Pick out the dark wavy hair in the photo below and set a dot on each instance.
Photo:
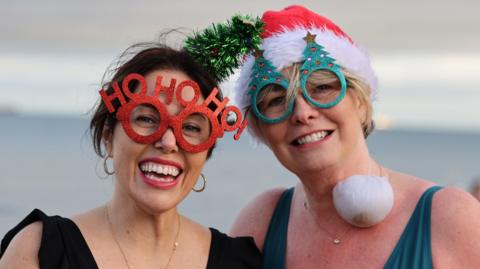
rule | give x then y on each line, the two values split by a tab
147	57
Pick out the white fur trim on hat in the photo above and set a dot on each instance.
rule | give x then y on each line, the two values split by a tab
286	48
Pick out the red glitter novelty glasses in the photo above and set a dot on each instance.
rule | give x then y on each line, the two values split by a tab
145	117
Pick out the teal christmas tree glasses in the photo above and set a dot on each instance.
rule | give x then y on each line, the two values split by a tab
322	83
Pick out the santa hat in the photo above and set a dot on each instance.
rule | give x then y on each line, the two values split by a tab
283	45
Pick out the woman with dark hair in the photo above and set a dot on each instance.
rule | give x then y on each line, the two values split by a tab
158	121
308	93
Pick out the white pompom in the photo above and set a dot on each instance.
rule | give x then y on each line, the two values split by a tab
363	200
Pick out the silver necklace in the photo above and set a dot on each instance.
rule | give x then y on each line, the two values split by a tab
174	247
336	240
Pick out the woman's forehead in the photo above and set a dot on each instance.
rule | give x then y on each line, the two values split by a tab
289	70
167	75
170	78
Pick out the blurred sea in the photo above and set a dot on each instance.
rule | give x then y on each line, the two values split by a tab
48	163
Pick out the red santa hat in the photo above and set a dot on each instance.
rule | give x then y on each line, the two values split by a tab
283	45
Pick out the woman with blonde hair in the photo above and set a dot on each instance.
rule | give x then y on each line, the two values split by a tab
308	93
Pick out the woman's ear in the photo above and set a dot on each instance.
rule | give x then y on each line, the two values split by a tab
107	139
361	108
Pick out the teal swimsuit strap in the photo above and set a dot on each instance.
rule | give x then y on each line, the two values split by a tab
275	245
413	250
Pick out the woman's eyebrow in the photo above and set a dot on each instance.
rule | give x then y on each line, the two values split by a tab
200	116
277	88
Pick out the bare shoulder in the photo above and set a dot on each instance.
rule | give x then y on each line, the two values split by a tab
455	207
455	228
254	218
90	221
200	233
22	252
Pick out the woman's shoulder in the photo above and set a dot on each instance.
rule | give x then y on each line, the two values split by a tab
254	218
22	250
20	246
452	206
455	220
455	209
49	241
233	252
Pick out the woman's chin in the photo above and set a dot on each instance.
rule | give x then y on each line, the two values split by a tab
314	164
156	204
156	197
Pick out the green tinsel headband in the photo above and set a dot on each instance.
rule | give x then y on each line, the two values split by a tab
219	48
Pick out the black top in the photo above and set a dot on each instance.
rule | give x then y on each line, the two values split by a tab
63	246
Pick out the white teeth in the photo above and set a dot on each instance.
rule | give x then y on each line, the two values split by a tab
312	137
160	179
159	169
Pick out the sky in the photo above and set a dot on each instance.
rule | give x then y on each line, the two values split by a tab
426	53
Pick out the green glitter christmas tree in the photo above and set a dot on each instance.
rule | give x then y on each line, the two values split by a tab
315	56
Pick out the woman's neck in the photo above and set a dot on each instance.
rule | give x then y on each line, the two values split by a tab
138	225
317	187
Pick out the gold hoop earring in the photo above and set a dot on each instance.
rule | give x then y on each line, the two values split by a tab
204	184
105	168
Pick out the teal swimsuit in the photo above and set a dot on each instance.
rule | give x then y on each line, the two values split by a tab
413	250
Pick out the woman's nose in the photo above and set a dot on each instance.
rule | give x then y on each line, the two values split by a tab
303	111
167	143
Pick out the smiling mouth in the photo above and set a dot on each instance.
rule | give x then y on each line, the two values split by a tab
160	172
311	138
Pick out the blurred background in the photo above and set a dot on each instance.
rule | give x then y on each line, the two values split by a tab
53	55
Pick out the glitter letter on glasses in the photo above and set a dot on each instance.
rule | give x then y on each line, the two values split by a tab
268	88
145	118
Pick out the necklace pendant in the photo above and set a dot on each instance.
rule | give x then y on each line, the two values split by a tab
336	241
